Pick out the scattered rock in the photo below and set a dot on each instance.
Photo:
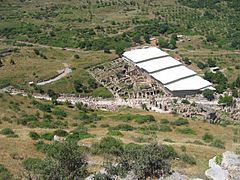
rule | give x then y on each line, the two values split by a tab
229	169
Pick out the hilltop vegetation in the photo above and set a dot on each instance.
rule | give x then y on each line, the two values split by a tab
111	27
103	25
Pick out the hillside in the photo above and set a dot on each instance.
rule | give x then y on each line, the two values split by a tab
72	107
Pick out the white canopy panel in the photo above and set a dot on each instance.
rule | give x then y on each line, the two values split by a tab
143	54
172	74
192	83
159	64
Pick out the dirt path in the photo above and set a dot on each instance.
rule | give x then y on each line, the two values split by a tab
61	75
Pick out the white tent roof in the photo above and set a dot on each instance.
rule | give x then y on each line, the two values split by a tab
139	55
173	74
192	83
158	64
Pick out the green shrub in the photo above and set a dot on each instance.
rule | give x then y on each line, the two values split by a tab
188	159
4	173
44	107
122	127
60	113
185	101
79	133
131	147
165	128
41	146
60	133
26	119
123	117
104	125
93	126
88	118
197	142
168	140
48	136
13	136
34	135
207	137
164	121
102	92
140	139
218	143
109	145
76	56
140	119
114	133
31	163
219	159
180	122
7	131
183	148
186	130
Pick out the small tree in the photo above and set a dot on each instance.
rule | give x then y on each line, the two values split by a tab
1	63
64	161
237	82
209	94
226	100
12	62
119	51
146	161
76	56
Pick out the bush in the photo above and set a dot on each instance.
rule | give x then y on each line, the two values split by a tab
48	136
201	65
207	137
208	94
165	128
218	143
31	163
41	146
114	133
180	122
219	159
186	130
26	119
148	161
4	173
227	100
188	159
104	125
59	113
7	131
183	148
64	159
76	136
122	127
102	92
109	145
197	142
140	119
185	101
76	56
60	133
44	107
164	121
34	135
168	140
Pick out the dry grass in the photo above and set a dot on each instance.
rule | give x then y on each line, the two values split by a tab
23	146
30	67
